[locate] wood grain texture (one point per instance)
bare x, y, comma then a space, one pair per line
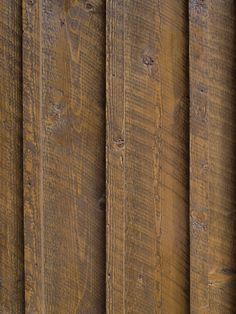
64, 158
147, 157
169, 226
11, 203
212, 132
199, 155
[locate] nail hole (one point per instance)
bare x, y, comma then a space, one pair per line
62, 22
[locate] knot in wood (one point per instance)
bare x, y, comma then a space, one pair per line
119, 142
147, 60
31, 2
89, 7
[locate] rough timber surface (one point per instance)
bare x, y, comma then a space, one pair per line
11, 200
64, 133
212, 156
147, 157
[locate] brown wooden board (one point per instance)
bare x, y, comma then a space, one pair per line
213, 142
147, 157
64, 156
124, 204
11, 203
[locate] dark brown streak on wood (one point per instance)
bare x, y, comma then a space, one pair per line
11, 201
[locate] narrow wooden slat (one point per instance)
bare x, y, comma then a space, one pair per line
64, 128
213, 142
33, 225
199, 155
115, 170
147, 157
11, 213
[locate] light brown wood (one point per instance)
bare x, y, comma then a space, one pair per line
199, 155
212, 132
11, 206
115, 167
64, 158
147, 157
165, 243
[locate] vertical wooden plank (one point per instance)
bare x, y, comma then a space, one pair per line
115, 163
222, 147
64, 119
11, 213
199, 155
32, 107
147, 157
213, 128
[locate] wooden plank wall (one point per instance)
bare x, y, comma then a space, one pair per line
147, 157
212, 154
11, 187
117, 154
64, 156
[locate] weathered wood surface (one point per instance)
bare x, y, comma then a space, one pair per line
147, 157
64, 156
212, 161
11, 203
166, 241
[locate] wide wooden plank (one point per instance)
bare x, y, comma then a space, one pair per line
147, 157
11, 206
213, 142
64, 158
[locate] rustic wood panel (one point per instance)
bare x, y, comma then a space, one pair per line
199, 156
64, 158
165, 243
213, 142
147, 157
11, 206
